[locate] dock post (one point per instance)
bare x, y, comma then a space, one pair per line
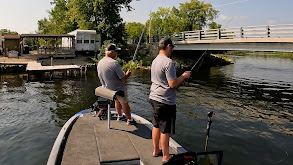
109, 113
52, 61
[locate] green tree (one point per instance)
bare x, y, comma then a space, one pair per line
45, 26
59, 21
101, 15
160, 21
196, 14
193, 15
214, 25
30, 41
8, 32
134, 30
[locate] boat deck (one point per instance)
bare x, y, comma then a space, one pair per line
91, 142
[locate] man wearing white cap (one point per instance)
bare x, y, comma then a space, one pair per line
113, 77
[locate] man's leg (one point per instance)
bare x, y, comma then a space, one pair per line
165, 146
126, 110
156, 139
118, 107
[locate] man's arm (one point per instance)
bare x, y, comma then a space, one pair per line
128, 73
178, 81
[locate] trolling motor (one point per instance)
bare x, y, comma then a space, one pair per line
210, 115
199, 158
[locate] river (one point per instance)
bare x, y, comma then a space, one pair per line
252, 100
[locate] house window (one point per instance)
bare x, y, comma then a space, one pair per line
79, 41
86, 41
92, 41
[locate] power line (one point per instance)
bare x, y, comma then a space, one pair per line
231, 3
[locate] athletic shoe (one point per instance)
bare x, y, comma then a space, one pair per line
133, 122
123, 118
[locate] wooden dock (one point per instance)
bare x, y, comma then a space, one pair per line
35, 66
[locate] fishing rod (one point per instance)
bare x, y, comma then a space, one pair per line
137, 46
209, 46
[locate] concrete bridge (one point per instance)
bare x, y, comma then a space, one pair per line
277, 38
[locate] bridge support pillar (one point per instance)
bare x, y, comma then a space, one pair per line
183, 36
268, 31
241, 32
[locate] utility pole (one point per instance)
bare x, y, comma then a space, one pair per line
150, 29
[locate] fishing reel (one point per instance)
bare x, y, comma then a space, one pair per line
210, 114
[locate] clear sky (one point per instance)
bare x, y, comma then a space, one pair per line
23, 15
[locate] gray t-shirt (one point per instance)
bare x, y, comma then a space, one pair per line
162, 70
110, 74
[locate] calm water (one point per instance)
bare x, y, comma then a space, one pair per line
252, 99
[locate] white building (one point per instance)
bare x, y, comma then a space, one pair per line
86, 41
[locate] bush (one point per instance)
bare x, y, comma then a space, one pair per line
127, 65
147, 61
102, 49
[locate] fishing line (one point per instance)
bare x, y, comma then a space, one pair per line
231, 3
223, 28
137, 46
209, 46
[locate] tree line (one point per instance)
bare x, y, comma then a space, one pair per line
8, 32
104, 16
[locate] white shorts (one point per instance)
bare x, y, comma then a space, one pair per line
123, 99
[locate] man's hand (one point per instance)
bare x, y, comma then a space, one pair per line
186, 74
178, 81
128, 73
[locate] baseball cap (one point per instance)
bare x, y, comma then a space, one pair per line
111, 47
166, 41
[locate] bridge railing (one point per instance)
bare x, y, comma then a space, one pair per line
264, 31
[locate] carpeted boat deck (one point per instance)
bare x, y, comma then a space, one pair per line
91, 142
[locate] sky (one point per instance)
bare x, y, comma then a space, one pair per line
22, 15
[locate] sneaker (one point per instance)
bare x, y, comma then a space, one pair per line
133, 122
123, 118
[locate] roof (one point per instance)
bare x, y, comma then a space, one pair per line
83, 31
12, 37
46, 35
